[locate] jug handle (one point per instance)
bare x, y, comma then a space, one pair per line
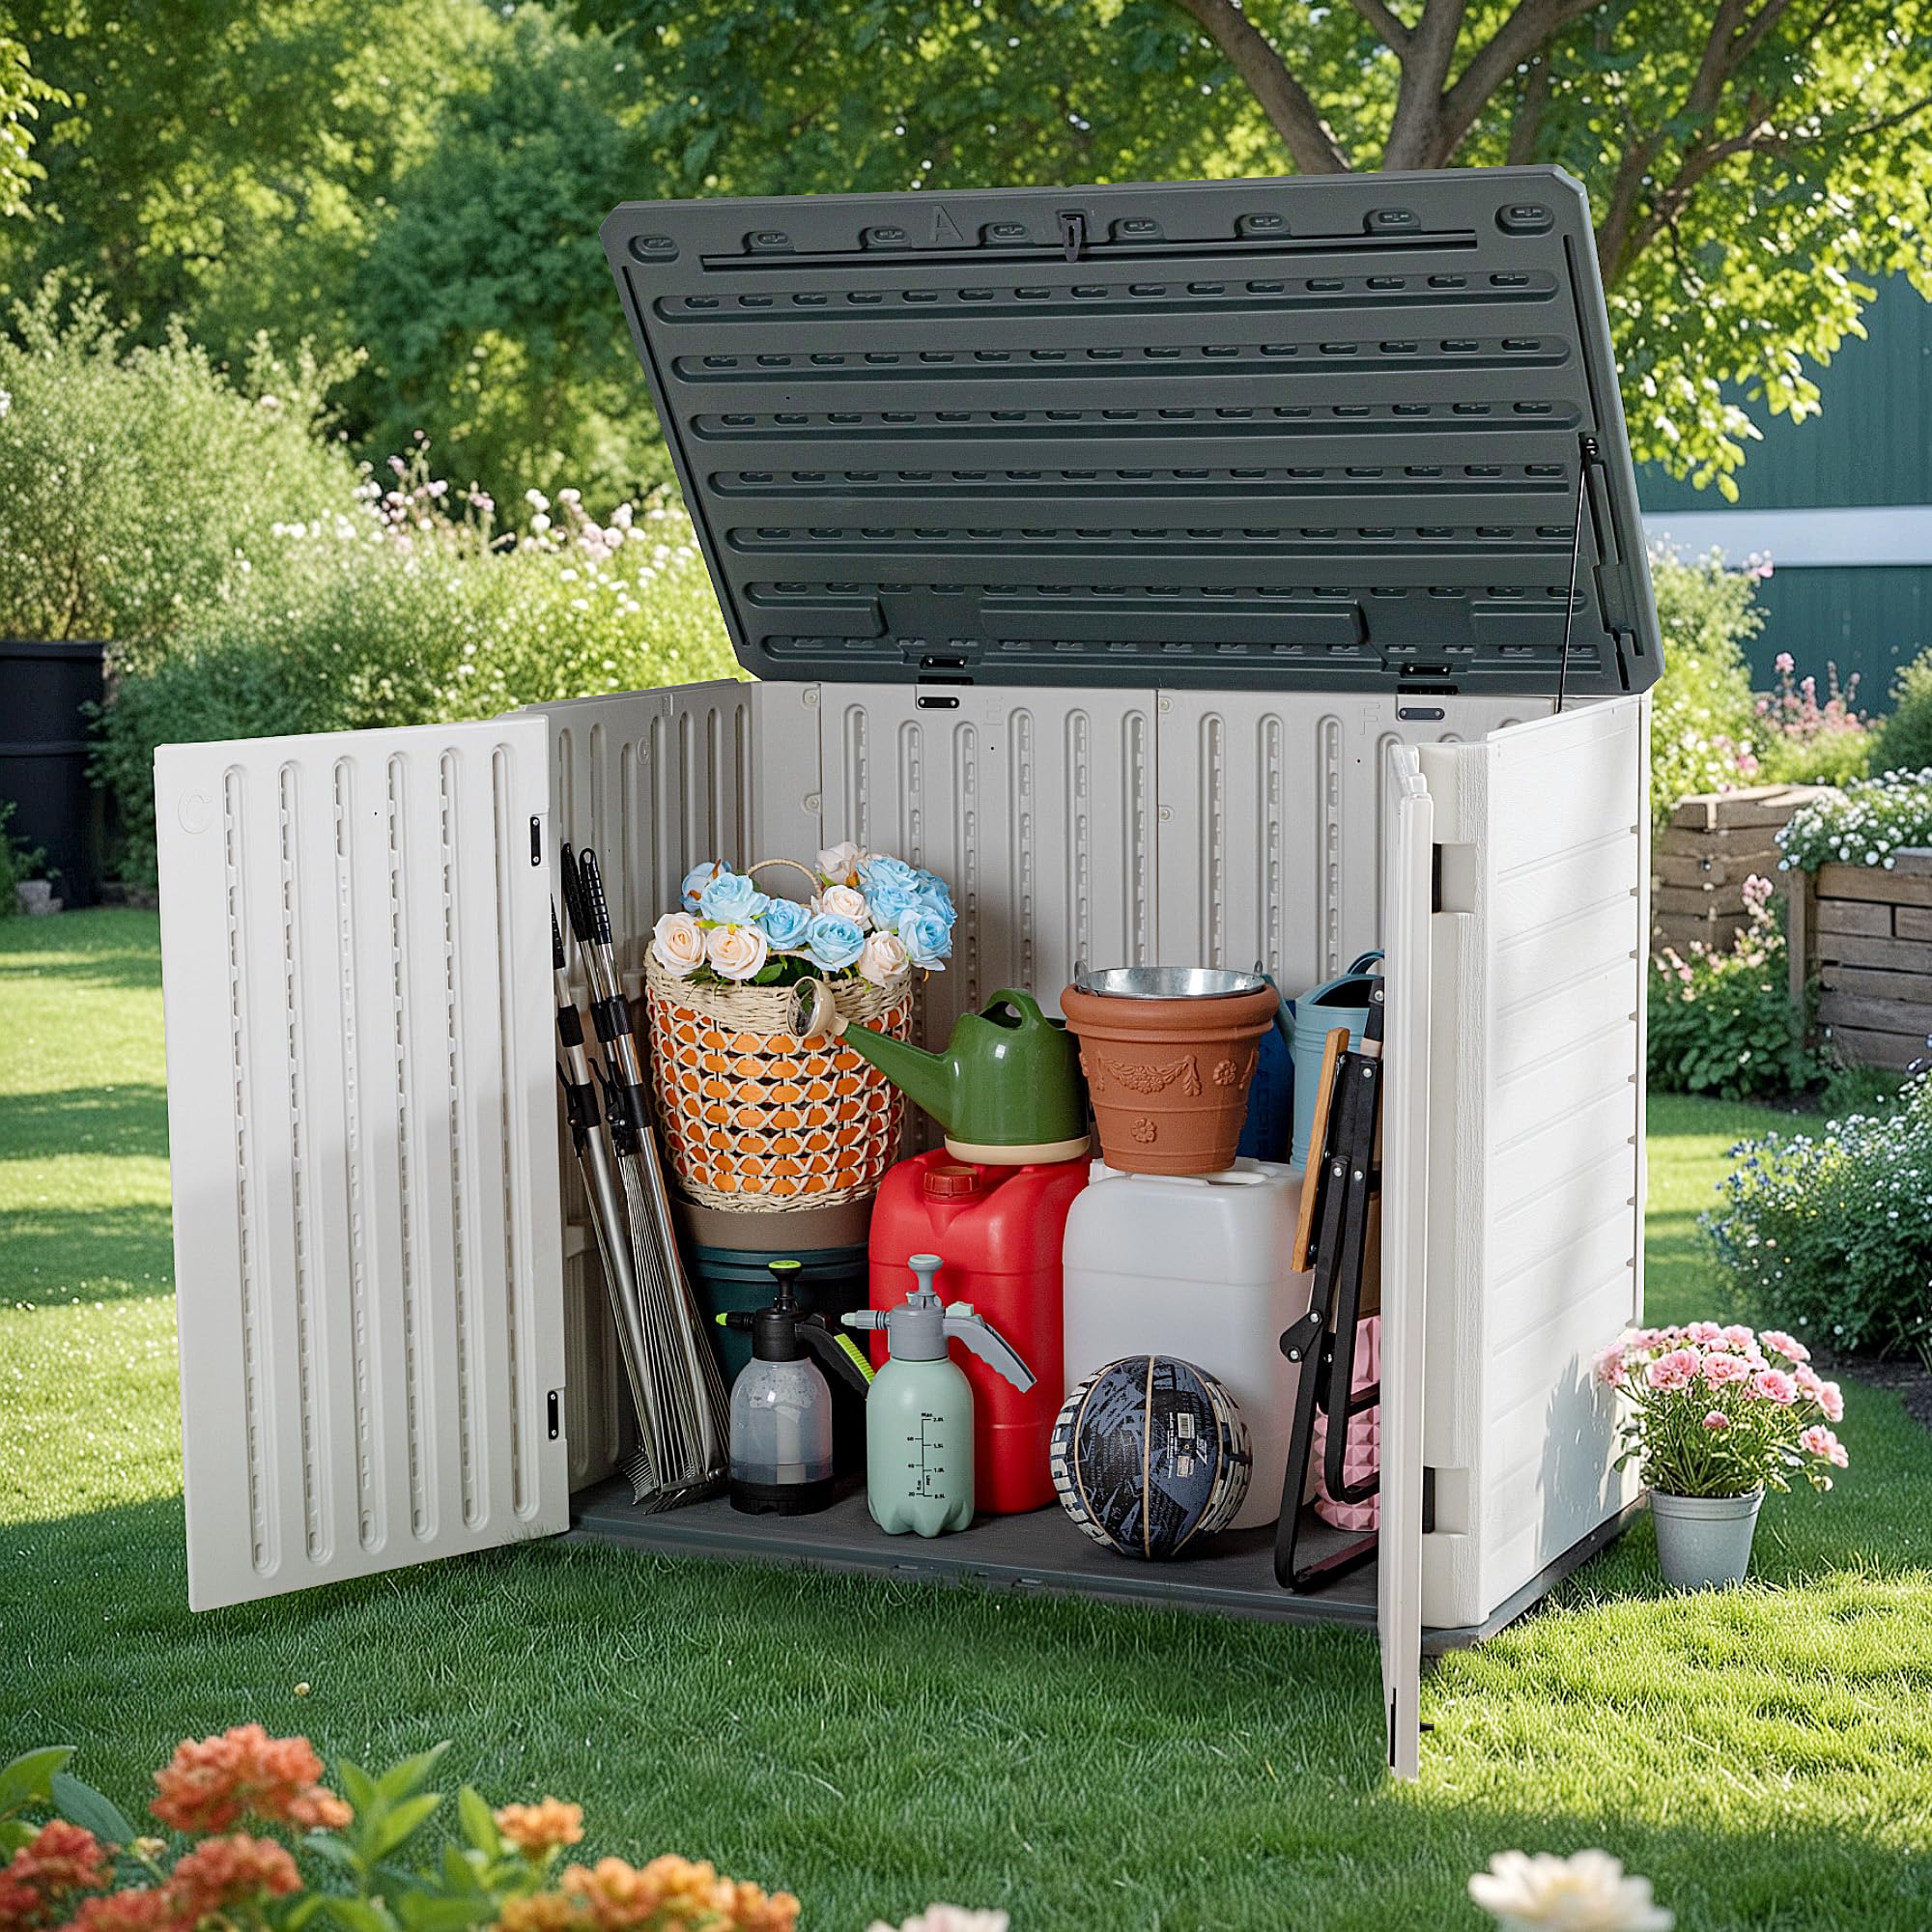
1363, 961
1023, 1004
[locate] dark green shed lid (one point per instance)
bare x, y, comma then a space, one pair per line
1327, 433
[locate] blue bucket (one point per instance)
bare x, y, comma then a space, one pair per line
1342, 1001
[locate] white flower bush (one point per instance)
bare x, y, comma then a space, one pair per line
1588, 1891
1868, 823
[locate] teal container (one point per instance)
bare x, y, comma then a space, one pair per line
1342, 1001
829, 1282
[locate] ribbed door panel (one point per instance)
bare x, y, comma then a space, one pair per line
368, 1254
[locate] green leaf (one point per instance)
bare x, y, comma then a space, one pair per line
479, 1822
400, 1779
401, 1822
358, 1787
359, 1914
462, 1869
326, 1845
14, 1832
30, 1776
81, 1805
425, 1911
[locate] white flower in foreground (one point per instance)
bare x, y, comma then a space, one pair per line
736, 952
946, 1919
1588, 1892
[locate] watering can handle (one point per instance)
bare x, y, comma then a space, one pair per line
1363, 961
1023, 1004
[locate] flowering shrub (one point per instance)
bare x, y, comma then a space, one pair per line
1863, 824
1724, 1023
1803, 742
136, 485
409, 608
1703, 720
1716, 1411
89, 1870
1905, 739
1830, 1234
1587, 1892
872, 916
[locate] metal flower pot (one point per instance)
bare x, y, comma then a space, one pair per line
1704, 1542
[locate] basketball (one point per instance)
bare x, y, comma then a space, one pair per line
1150, 1453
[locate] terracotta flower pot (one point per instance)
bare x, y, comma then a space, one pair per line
1169, 1077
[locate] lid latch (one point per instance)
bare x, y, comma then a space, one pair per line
1072, 233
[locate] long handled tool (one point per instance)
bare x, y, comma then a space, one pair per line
686, 1418
607, 1213
1337, 1207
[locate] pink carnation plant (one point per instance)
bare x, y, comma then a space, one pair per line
1713, 1411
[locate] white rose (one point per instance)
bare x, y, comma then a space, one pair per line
844, 902
840, 863
678, 943
885, 959
735, 951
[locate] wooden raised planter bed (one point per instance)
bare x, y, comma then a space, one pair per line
1867, 933
1699, 863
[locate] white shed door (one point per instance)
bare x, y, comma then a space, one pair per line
368, 1262
1407, 927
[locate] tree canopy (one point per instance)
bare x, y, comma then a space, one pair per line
1750, 163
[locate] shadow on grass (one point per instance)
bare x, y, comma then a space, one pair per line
108, 949
47, 1253
113, 1121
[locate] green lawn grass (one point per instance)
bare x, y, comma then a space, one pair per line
1766, 1756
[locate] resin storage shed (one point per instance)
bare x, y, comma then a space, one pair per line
1191, 573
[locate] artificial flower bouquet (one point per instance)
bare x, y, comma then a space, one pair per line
1723, 1412
871, 917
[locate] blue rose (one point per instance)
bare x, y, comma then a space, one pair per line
881, 871
834, 942
889, 902
784, 922
926, 934
731, 900
933, 888
698, 878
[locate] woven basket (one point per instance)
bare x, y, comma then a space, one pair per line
756, 1117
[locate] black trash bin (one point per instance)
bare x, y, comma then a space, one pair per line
43, 751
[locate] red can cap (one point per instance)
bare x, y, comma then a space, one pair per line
951, 1181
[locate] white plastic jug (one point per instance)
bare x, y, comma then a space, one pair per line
1194, 1265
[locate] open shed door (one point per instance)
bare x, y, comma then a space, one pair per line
1406, 925
368, 1259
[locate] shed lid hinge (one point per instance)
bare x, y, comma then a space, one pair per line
1073, 233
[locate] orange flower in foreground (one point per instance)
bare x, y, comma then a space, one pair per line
58, 1858
141, 1910
209, 1785
536, 1828
672, 1894
230, 1871
541, 1912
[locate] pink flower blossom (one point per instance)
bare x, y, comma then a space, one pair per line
1784, 661
1819, 1441
1775, 1386
1674, 1371
1831, 1398
1787, 1346
1706, 1334
1740, 1337
1717, 1419
1720, 1369
1611, 1366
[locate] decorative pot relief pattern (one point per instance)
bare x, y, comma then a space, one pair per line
1150, 1079
1144, 1131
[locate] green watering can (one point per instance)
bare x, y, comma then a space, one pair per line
1007, 1089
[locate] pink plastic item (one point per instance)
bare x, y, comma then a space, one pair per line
1363, 1455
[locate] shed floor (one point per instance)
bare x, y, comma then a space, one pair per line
1042, 1554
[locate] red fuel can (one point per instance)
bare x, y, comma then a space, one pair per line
998, 1232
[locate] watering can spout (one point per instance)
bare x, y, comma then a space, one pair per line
1007, 1089
926, 1079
